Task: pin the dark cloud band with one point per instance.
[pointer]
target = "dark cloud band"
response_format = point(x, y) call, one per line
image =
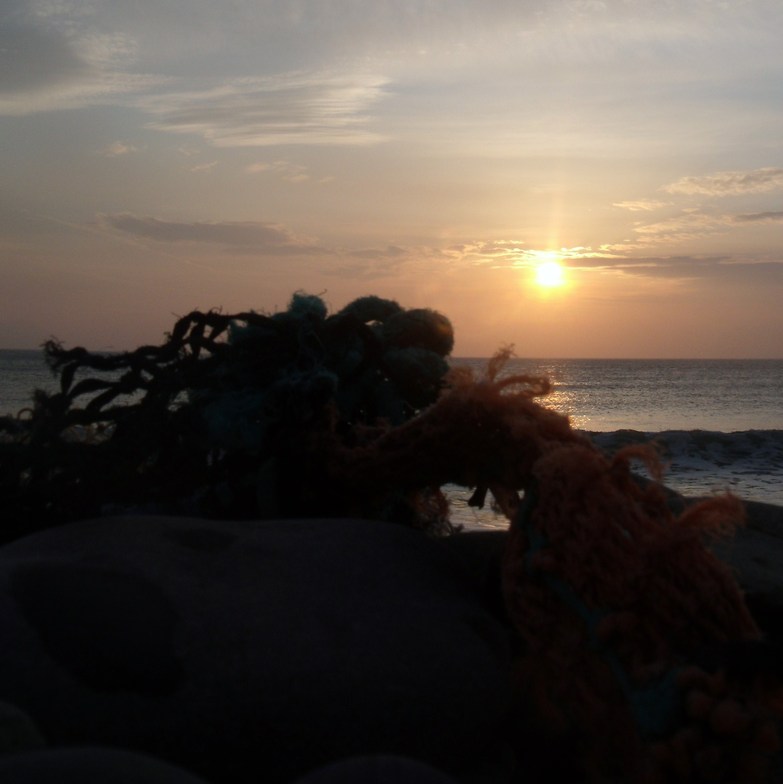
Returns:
point(247, 236)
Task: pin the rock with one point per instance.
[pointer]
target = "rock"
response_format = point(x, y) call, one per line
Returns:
point(755, 553)
point(89, 766)
point(17, 730)
point(376, 770)
point(247, 651)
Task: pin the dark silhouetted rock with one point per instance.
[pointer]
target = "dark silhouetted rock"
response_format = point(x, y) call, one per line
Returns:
point(18, 731)
point(250, 651)
point(755, 552)
point(377, 770)
point(90, 766)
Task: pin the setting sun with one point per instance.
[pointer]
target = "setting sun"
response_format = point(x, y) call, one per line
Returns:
point(549, 274)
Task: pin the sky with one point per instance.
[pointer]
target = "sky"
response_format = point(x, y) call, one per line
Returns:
point(160, 156)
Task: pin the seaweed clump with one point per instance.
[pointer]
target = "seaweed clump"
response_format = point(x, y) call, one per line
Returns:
point(233, 416)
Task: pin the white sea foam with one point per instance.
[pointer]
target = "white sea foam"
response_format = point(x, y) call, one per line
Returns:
point(697, 463)
point(702, 462)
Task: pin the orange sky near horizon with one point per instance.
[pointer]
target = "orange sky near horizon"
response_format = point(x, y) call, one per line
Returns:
point(159, 158)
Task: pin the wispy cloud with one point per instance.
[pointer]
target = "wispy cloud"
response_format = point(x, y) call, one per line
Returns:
point(629, 260)
point(513, 254)
point(92, 88)
point(324, 109)
point(675, 266)
point(643, 205)
point(687, 225)
point(729, 183)
point(239, 236)
point(286, 170)
point(203, 167)
point(118, 149)
point(695, 224)
point(49, 60)
point(678, 267)
point(759, 217)
point(686, 219)
point(706, 267)
point(32, 56)
point(389, 252)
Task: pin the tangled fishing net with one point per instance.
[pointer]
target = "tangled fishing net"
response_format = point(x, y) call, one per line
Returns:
point(233, 416)
point(635, 646)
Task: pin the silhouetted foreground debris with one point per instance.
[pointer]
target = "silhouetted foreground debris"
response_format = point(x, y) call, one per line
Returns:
point(222, 419)
point(636, 657)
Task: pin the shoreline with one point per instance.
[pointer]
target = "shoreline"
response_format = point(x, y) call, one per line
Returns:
point(763, 516)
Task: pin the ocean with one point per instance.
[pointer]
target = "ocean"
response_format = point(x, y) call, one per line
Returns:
point(719, 422)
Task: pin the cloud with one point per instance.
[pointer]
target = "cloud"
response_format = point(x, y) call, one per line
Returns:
point(731, 268)
point(643, 205)
point(291, 172)
point(242, 236)
point(285, 109)
point(759, 217)
point(512, 254)
point(507, 254)
point(616, 260)
point(693, 224)
point(33, 57)
point(687, 225)
point(204, 167)
point(389, 252)
point(118, 149)
point(73, 86)
point(681, 267)
point(51, 59)
point(96, 89)
point(650, 266)
point(729, 183)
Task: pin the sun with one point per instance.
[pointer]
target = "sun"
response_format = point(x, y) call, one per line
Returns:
point(549, 274)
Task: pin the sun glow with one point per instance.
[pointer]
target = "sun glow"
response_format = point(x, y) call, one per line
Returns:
point(549, 274)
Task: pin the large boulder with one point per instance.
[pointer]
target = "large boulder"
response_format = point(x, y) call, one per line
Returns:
point(248, 651)
point(79, 765)
point(755, 552)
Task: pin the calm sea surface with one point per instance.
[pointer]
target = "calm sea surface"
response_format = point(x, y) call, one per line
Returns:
point(720, 421)
point(652, 395)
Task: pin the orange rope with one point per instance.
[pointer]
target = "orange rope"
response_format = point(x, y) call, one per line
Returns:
point(613, 596)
